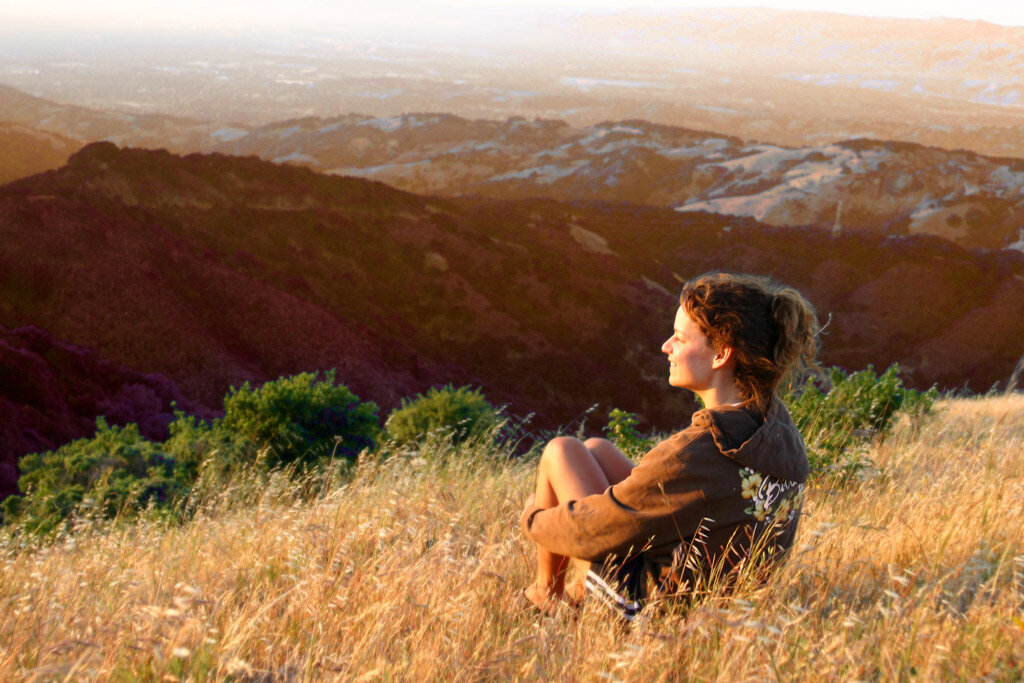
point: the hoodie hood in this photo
(774, 447)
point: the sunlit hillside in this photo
(410, 569)
(25, 151)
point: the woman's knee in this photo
(566, 454)
(613, 462)
(597, 442)
(562, 448)
(571, 469)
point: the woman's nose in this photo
(666, 347)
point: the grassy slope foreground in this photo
(410, 570)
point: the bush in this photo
(621, 430)
(456, 414)
(856, 409)
(115, 472)
(294, 420)
(195, 445)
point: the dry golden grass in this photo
(411, 571)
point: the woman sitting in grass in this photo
(703, 502)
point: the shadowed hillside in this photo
(51, 393)
(213, 270)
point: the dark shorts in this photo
(621, 586)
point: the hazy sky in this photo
(298, 13)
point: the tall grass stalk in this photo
(409, 567)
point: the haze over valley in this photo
(789, 78)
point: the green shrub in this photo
(456, 414)
(289, 421)
(117, 471)
(839, 423)
(196, 446)
(621, 430)
(293, 420)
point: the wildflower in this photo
(239, 667)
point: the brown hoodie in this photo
(723, 481)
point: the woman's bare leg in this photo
(614, 463)
(570, 469)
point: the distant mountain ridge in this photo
(177, 133)
(862, 185)
(896, 188)
(212, 270)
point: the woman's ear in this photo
(722, 358)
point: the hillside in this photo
(863, 185)
(177, 133)
(410, 569)
(51, 393)
(26, 151)
(857, 183)
(214, 270)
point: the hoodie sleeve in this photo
(660, 498)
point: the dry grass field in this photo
(410, 570)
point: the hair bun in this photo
(771, 328)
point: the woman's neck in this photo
(720, 394)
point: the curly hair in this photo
(771, 328)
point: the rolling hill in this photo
(863, 185)
(25, 151)
(178, 133)
(211, 270)
(898, 188)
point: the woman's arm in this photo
(659, 499)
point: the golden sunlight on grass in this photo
(411, 570)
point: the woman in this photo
(699, 502)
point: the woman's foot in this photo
(575, 592)
(547, 600)
(542, 597)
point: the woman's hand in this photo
(530, 503)
(524, 516)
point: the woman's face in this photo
(689, 355)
